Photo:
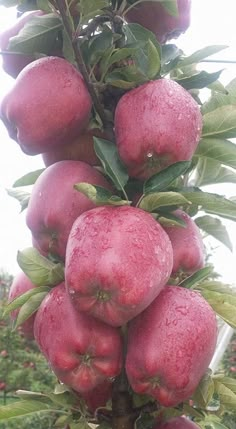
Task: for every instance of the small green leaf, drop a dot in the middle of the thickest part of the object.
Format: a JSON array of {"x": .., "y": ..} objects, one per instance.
[
  {"x": 198, "y": 80},
  {"x": 90, "y": 9},
  {"x": 164, "y": 178},
  {"x": 209, "y": 171},
  {"x": 214, "y": 227},
  {"x": 38, "y": 35},
  {"x": 192, "y": 281},
  {"x": 153, "y": 58},
  {"x": 125, "y": 77},
  {"x": 157, "y": 200},
  {"x": 20, "y": 195},
  {"x": 99, "y": 195},
  {"x": 201, "y": 54},
  {"x": 169, "y": 219},
  {"x": 220, "y": 123},
  {"x": 28, "y": 179},
  {"x": 23, "y": 408},
  {"x": 39, "y": 269},
  {"x": 113, "y": 167},
  {"x": 222, "y": 302},
  {"x": 67, "y": 48},
  {"x": 227, "y": 396},
  {"x": 22, "y": 299},
  {"x": 217, "y": 149},
  {"x": 29, "y": 308},
  {"x": 205, "y": 390}
]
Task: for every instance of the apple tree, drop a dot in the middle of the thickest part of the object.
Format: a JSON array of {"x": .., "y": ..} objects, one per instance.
[{"x": 116, "y": 289}]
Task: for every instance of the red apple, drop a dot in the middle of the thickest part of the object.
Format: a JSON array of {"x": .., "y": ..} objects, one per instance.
[
  {"x": 19, "y": 286},
  {"x": 156, "y": 124},
  {"x": 2, "y": 385},
  {"x": 99, "y": 396},
  {"x": 80, "y": 149},
  {"x": 47, "y": 105},
  {"x": 83, "y": 352},
  {"x": 170, "y": 345},
  {"x": 54, "y": 204},
  {"x": 187, "y": 243},
  {"x": 154, "y": 16},
  {"x": 177, "y": 423},
  {"x": 118, "y": 259},
  {"x": 14, "y": 63}
]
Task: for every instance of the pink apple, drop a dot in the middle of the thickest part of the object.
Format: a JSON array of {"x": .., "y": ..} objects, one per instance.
[
  {"x": 83, "y": 352},
  {"x": 19, "y": 286},
  {"x": 187, "y": 243},
  {"x": 48, "y": 104},
  {"x": 153, "y": 16},
  {"x": 14, "y": 63},
  {"x": 118, "y": 259},
  {"x": 170, "y": 345},
  {"x": 54, "y": 204},
  {"x": 156, "y": 124}
]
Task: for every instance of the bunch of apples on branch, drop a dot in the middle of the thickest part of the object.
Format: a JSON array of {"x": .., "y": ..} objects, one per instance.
[{"x": 116, "y": 289}]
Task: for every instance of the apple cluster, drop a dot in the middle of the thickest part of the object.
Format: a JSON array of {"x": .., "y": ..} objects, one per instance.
[{"x": 119, "y": 261}]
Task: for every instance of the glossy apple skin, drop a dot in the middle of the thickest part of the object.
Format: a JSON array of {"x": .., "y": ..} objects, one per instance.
[
  {"x": 54, "y": 204},
  {"x": 71, "y": 342},
  {"x": 80, "y": 149},
  {"x": 170, "y": 345},
  {"x": 187, "y": 243},
  {"x": 13, "y": 64},
  {"x": 154, "y": 17},
  {"x": 177, "y": 423},
  {"x": 118, "y": 259},
  {"x": 21, "y": 284},
  {"x": 40, "y": 111},
  {"x": 156, "y": 125}
]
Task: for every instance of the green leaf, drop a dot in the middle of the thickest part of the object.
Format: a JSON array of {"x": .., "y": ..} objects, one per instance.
[
  {"x": 198, "y": 80},
  {"x": 223, "y": 303},
  {"x": 29, "y": 308},
  {"x": 192, "y": 281},
  {"x": 38, "y": 35},
  {"x": 209, "y": 171},
  {"x": 217, "y": 149},
  {"x": 205, "y": 390},
  {"x": 99, "y": 195},
  {"x": 23, "y": 408},
  {"x": 201, "y": 54},
  {"x": 171, "y": 7},
  {"x": 212, "y": 203},
  {"x": 39, "y": 269},
  {"x": 98, "y": 46},
  {"x": 122, "y": 54},
  {"x": 113, "y": 167},
  {"x": 28, "y": 179},
  {"x": 153, "y": 60},
  {"x": 125, "y": 77},
  {"x": 220, "y": 123},
  {"x": 22, "y": 299},
  {"x": 67, "y": 48},
  {"x": 227, "y": 396},
  {"x": 89, "y": 9},
  {"x": 169, "y": 219},
  {"x": 164, "y": 178},
  {"x": 20, "y": 195},
  {"x": 156, "y": 200},
  {"x": 215, "y": 228}
]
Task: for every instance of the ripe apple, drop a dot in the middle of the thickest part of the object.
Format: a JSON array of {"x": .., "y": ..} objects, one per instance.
[
  {"x": 99, "y": 396},
  {"x": 153, "y": 16},
  {"x": 187, "y": 243},
  {"x": 80, "y": 149},
  {"x": 156, "y": 124},
  {"x": 47, "y": 105},
  {"x": 20, "y": 285},
  {"x": 118, "y": 259},
  {"x": 2, "y": 385},
  {"x": 170, "y": 345},
  {"x": 54, "y": 204},
  {"x": 177, "y": 423},
  {"x": 83, "y": 352},
  {"x": 14, "y": 63}
]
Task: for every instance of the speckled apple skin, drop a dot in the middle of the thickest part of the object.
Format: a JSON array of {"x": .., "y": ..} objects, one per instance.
[
  {"x": 187, "y": 243},
  {"x": 54, "y": 204},
  {"x": 21, "y": 284},
  {"x": 82, "y": 352},
  {"x": 13, "y": 64},
  {"x": 170, "y": 345},
  {"x": 156, "y": 124},
  {"x": 118, "y": 259},
  {"x": 177, "y": 423},
  {"x": 156, "y": 18},
  {"x": 47, "y": 104}
]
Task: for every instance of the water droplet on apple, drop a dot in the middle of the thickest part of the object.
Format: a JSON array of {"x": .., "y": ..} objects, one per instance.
[{"x": 149, "y": 154}]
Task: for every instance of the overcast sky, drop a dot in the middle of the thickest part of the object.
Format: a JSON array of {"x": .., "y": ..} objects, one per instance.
[{"x": 213, "y": 22}]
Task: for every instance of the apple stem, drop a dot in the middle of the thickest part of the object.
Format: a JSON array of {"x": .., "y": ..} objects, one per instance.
[{"x": 81, "y": 64}]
